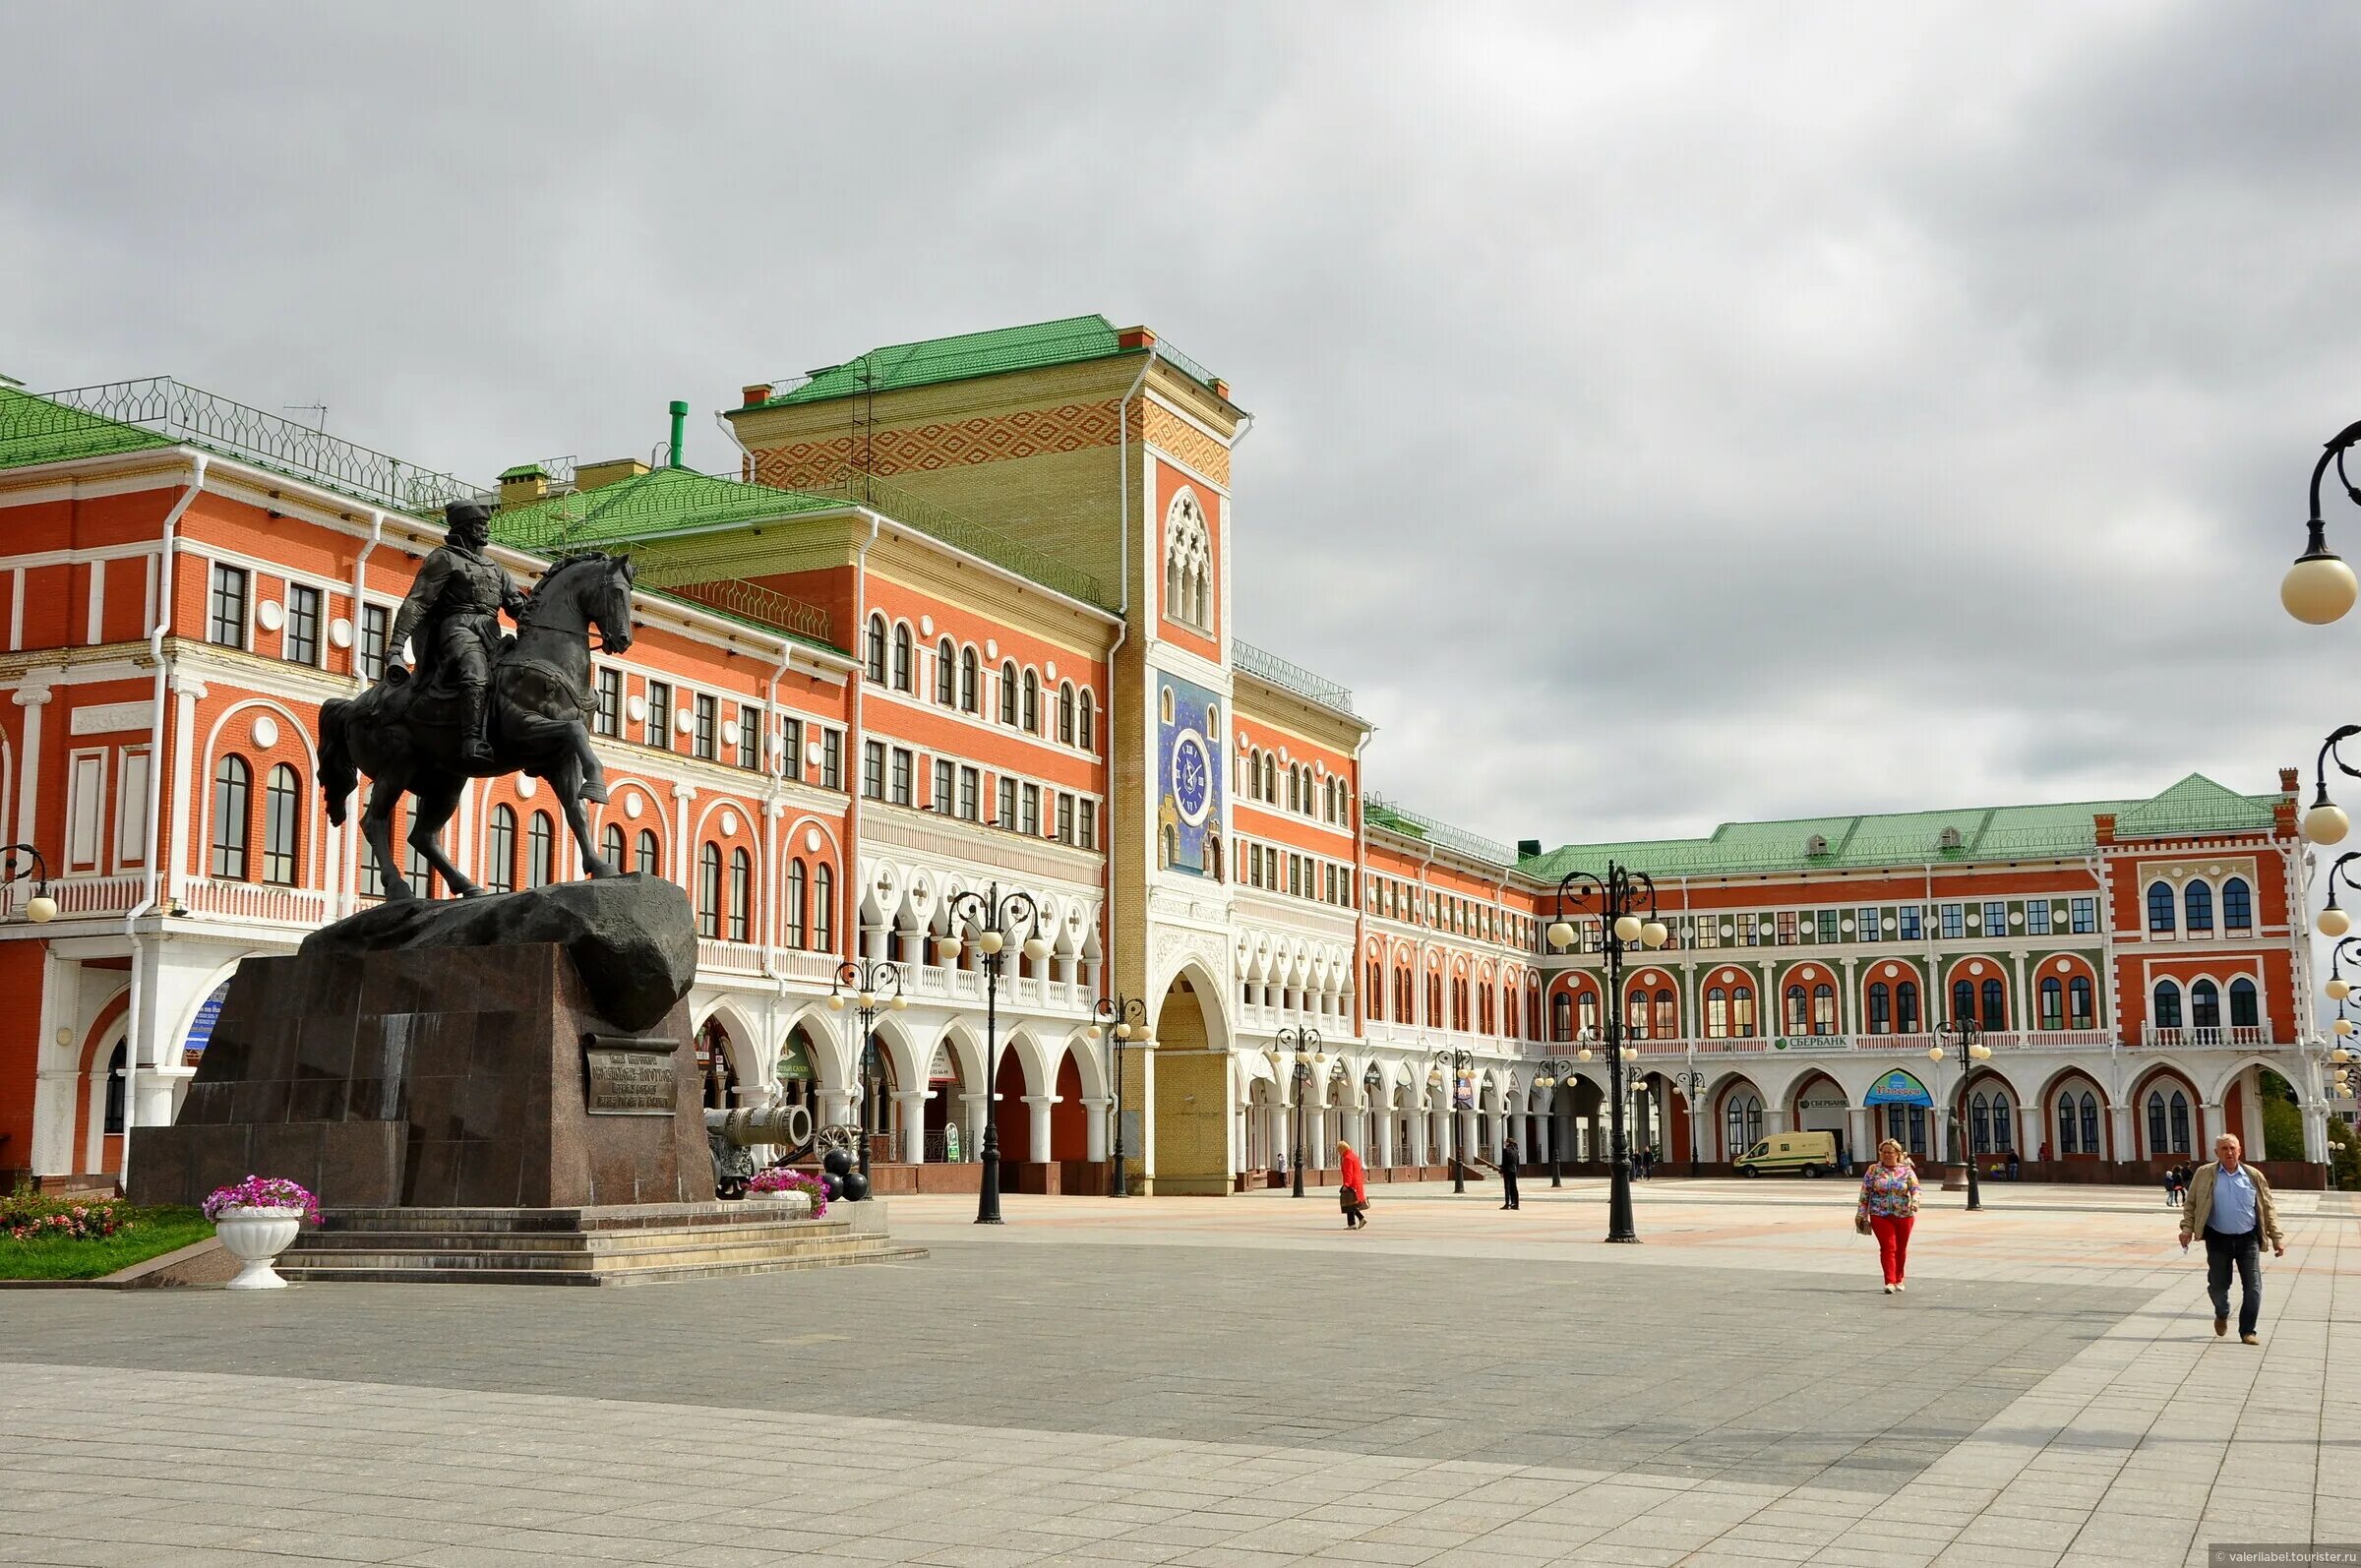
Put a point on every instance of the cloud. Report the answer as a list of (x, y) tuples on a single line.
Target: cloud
[(1666, 413)]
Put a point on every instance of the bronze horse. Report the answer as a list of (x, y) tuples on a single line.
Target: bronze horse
[(406, 738)]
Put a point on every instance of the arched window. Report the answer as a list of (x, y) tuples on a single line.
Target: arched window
[(1188, 565), (1742, 1011), (1032, 704), (611, 846), (2198, 903), (947, 672), (1008, 693), (1963, 1001), (824, 908), (1667, 1015), (233, 786), (967, 680), (1635, 1016), (708, 889), (742, 893), (280, 812), (2078, 997), (1979, 1122), (1561, 1016), (2053, 1002), (2159, 1137), (1270, 778), (2237, 905), (1086, 724), (2159, 907), (115, 1064), (1881, 1008), (1065, 712), (798, 879), (1824, 1009), (2004, 1135), (1742, 1122), (2090, 1118), (1996, 1008), (1796, 1019), (500, 851), (2168, 1006), (2070, 1138), (901, 657), (1294, 789), (2179, 1108), (1906, 1007), (540, 836), (2204, 1005), (1717, 1013), (874, 654), (651, 862), (2245, 1009)]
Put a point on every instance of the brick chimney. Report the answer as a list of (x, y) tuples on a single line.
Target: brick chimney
[(2102, 826), (593, 475), (523, 485), (2283, 816), (1134, 337), (2289, 780), (755, 393)]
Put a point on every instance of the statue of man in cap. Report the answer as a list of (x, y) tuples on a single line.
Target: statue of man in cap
[(454, 610)]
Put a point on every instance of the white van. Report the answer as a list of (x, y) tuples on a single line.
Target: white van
[(1814, 1154)]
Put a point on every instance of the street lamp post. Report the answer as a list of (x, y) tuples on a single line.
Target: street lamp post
[(1623, 902), (1691, 1083), (874, 985), (1303, 1045), (1126, 1019), (1455, 1063), (2319, 587), (40, 909), (995, 917), (1966, 1038), (1548, 1073)]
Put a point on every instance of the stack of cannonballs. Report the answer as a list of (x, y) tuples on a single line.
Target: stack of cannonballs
[(837, 1176)]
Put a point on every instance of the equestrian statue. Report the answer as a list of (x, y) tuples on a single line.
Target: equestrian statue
[(481, 704)]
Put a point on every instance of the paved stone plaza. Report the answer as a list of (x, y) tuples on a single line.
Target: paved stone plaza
[(1235, 1382)]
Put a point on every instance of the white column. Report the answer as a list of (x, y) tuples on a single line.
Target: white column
[(1039, 1106), (33, 700), (909, 1113), (1864, 1134), (2250, 1136), (2209, 1120), (1094, 1126), (838, 1107), (1385, 1137), (973, 1107)]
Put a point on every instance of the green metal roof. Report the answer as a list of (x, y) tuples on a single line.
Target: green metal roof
[(34, 430), (939, 359), (659, 501), (2194, 805)]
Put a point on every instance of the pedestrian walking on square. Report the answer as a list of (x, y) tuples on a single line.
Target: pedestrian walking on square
[(2229, 1204), (1352, 1188), (1888, 1208), (1508, 1174)]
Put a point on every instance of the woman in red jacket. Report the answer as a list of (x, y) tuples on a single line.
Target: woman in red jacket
[(1352, 1188)]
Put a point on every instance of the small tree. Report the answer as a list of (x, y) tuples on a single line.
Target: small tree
[(2283, 1119)]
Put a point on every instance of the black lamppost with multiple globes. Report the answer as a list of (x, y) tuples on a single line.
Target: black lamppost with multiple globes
[(1967, 1041), (1549, 1073), (1458, 1065), (873, 985), (1691, 1084), (994, 917), (1304, 1046), (1623, 903), (1126, 1020)]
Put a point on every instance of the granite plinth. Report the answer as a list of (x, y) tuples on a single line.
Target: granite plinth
[(439, 1077)]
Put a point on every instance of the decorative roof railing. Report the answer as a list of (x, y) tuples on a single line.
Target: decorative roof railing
[(179, 412), (1183, 364), (1402, 820), (1291, 677)]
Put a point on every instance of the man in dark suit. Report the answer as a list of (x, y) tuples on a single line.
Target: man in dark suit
[(1508, 1174)]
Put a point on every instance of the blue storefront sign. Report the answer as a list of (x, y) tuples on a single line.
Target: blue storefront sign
[(1898, 1088)]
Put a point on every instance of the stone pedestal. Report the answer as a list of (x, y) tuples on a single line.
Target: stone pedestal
[(429, 1077)]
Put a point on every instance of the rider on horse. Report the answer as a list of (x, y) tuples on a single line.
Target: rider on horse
[(455, 606)]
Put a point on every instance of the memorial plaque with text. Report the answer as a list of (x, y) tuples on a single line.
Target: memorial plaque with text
[(629, 1077)]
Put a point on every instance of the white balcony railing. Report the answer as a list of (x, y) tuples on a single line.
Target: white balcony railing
[(77, 895), (2209, 1036), (297, 906)]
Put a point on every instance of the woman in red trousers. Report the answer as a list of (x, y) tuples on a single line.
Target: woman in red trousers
[(1352, 1188), (1888, 1208)]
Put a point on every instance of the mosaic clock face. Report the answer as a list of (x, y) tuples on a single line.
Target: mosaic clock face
[(1192, 777)]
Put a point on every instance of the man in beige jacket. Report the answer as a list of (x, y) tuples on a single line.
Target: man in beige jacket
[(2230, 1205)]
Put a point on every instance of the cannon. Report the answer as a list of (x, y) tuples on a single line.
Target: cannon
[(734, 1135)]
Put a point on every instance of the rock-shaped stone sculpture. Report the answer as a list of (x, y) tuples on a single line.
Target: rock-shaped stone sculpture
[(631, 939)]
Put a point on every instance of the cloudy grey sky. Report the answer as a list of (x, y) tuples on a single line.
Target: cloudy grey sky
[(1667, 414)]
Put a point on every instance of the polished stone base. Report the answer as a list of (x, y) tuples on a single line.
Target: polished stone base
[(449, 1077)]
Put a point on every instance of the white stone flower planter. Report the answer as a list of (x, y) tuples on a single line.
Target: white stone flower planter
[(255, 1237)]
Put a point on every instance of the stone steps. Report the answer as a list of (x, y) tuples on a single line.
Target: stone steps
[(577, 1246)]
